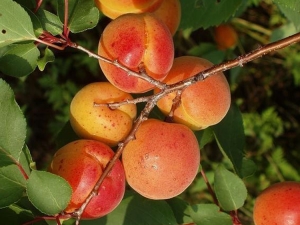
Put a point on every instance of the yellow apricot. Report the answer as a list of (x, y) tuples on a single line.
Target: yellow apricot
[(100, 122), (162, 160), (115, 8), (202, 104), (172, 20)]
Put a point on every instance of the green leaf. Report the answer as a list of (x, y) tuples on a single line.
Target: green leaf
[(204, 136), (205, 13), (209, 214), (23, 55), (15, 24), (83, 14), (12, 185), (12, 123), (48, 57), (27, 3), (181, 210), (291, 9), (230, 137), (136, 210), (50, 22), (48, 192), (230, 189)]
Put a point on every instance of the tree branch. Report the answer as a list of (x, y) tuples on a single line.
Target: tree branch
[(165, 89)]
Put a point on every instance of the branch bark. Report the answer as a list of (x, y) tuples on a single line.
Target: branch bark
[(165, 89)]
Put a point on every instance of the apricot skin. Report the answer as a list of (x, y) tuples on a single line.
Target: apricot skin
[(115, 8), (136, 40), (225, 36), (81, 163), (162, 161), (100, 122), (279, 204), (172, 20), (202, 104)]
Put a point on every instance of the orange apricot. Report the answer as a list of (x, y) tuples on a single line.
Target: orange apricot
[(100, 122), (278, 204), (81, 163), (225, 36), (115, 8), (202, 104), (136, 40), (170, 13), (163, 159)]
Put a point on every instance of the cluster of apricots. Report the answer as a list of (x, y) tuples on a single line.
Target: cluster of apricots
[(164, 158)]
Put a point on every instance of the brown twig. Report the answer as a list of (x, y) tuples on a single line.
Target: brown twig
[(165, 89)]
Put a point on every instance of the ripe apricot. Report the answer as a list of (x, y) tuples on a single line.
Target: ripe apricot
[(100, 122), (115, 8), (202, 104), (81, 163), (162, 161), (172, 20), (225, 36), (136, 40), (278, 204)]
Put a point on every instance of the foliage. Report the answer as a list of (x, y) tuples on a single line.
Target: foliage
[(256, 135)]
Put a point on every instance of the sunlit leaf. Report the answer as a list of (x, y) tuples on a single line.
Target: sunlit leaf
[(15, 24), (12, 184), (230, 189), (49, 193), (291, 9), (206, 13), (209, 214), (12, 123), (83, 14), (47, 57), (25, 56), (50, 22)]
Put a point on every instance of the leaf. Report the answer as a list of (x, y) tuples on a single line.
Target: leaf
[(12, 185), (83, 14), (209, 214), (230, 137), (23, 55), (50, 22), (15, 24), (48, 192), (12, 123), (291, 9), (136, 210), (204, 136), (205, 13), (48, 57), (181, 210), (230, 189)]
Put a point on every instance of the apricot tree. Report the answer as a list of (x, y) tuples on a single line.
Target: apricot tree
[(130, 150)]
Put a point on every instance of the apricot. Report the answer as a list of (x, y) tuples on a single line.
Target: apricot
[(100, 122), (81, 164), (115, 8), (172, 20), (202, 104), (162, 161), (278, 204), (225, 36), (136, 41)]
